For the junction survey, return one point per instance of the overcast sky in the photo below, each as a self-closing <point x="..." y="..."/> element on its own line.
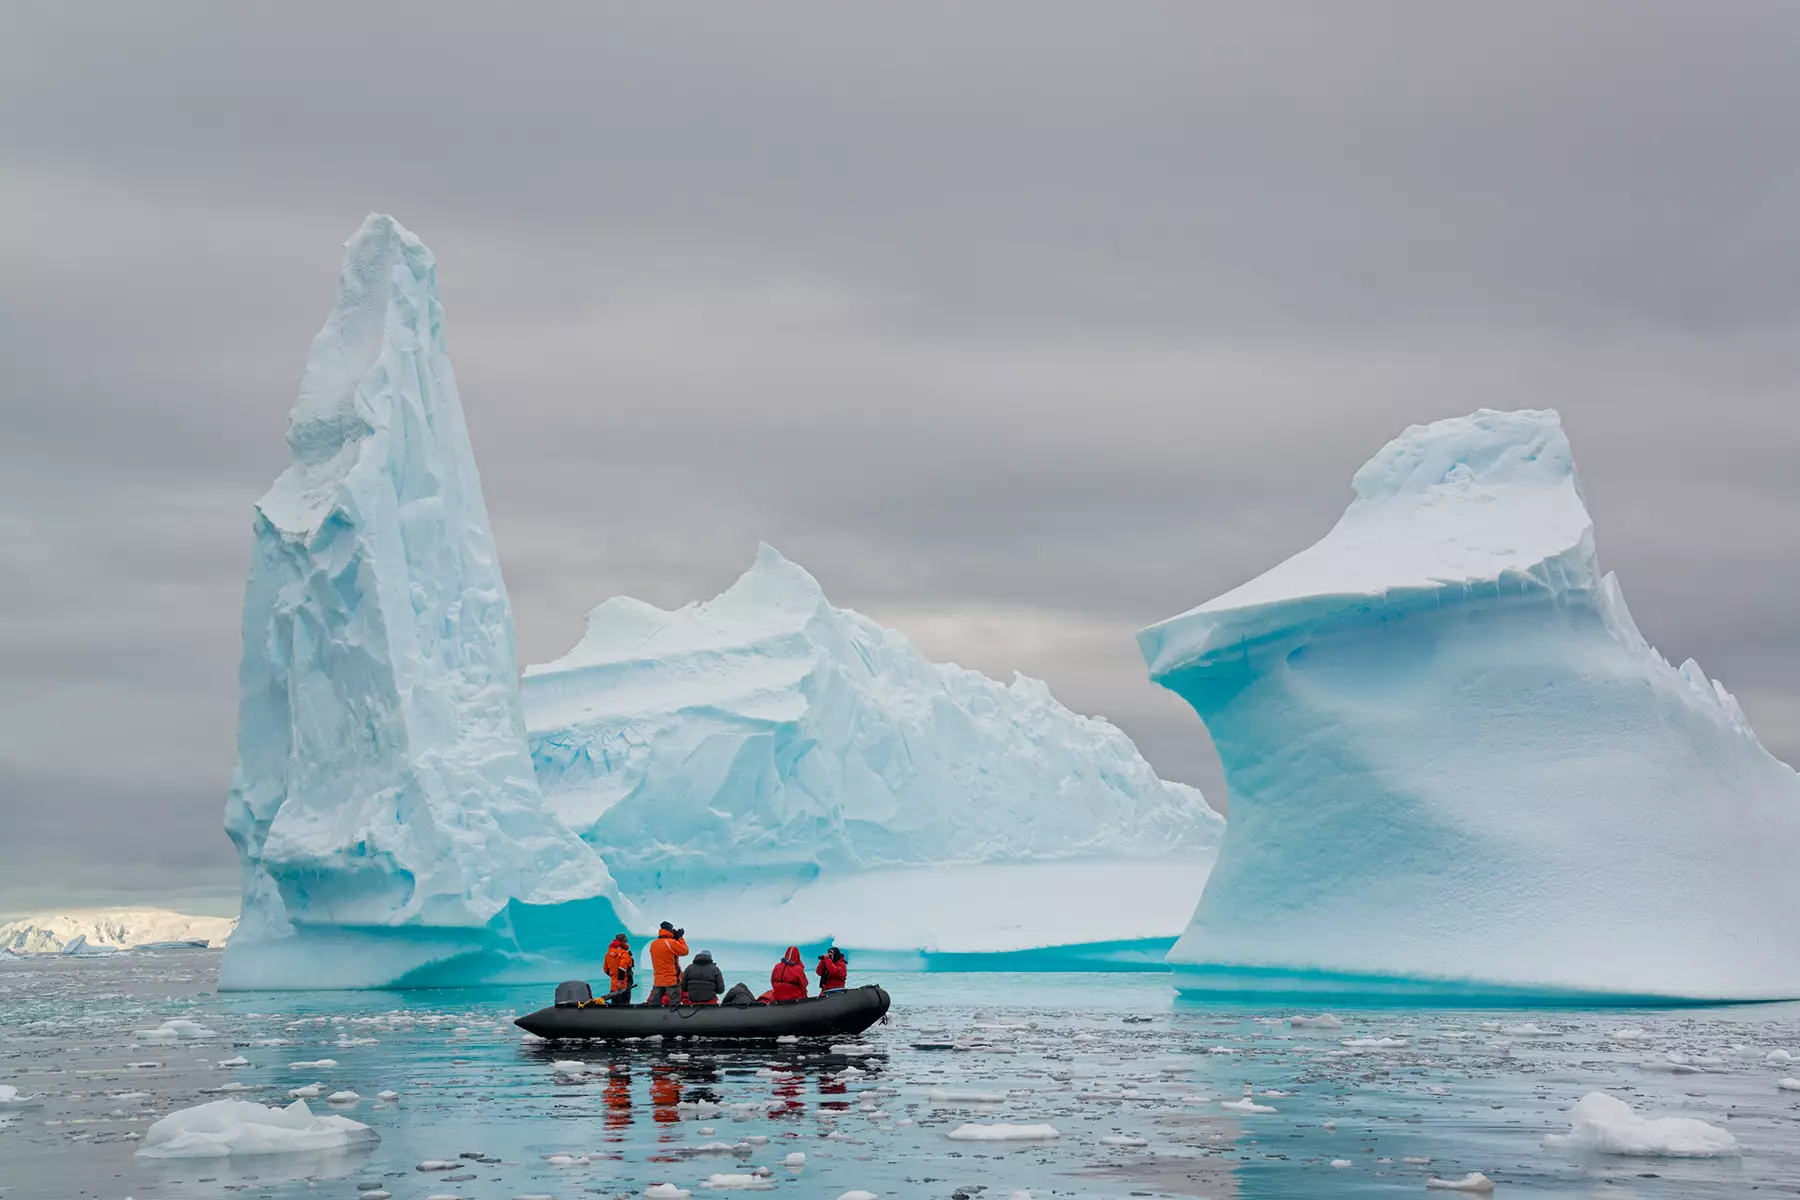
<point x="1020" y="326"/>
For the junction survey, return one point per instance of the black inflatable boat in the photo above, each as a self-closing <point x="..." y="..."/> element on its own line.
<point x="836" y="1014"/>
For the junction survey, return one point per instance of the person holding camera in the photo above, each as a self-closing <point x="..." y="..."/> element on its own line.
<point x="665" y="964"/>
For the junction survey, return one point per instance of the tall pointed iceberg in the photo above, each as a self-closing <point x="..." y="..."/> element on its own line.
<point x="384" y="806"/>
<point x="797" y="773"/>
<point x="1458" y="771"/>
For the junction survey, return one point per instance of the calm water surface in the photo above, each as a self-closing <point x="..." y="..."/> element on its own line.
<point x="1467" y="1090"/>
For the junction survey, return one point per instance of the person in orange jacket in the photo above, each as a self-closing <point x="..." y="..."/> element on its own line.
<point x="618" y="966"/>
<point x="834" y="970"/>
<point x="788" y="980"/>
<point x="665" y="964"/>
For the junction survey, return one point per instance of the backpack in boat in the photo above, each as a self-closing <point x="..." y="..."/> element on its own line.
<point x="739" y="994"/>
<point x="573" y="994"/>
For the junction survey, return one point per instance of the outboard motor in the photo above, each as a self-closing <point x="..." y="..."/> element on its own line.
<point x="573" y="994"/>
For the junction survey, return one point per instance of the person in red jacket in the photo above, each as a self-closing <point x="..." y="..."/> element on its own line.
<point x="788" y="980"/>
<point x="833" y="970"/>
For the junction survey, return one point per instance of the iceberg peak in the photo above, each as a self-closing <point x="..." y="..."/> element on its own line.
<point x="383" y="782"/>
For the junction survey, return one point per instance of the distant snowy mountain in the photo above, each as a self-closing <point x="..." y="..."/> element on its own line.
<point x="795" y="770"/>
<point x="120" y="928"/>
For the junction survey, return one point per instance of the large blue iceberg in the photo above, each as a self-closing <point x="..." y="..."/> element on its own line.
<point x="384" y="808"/>
<point x="774" y="770"/>
<point x="1457" y="769"/>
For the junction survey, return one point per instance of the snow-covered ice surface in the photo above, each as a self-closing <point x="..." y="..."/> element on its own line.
<point x="1055" y="1047"/>
<point x="48" y="933"/>
<point x="1457" y="769"/>
<point x="384" y="806"/>
<point x="800" y="772"/>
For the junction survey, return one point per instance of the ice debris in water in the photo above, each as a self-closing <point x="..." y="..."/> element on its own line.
<point x="666" y="1191"/>
<point x="226" y="1127"/>
<point x="178" y="1029"/>
<point x="1603" y="1124"/>
<point x="1322" y="1021"/>
<point x="1778" y="1056"/>
<point x="12" y="1098"/>
<point x="965" y="1096"/>
<point x="1474" y="1181"/>
<point x="383" y="782"/>
<point x="975" y="1131"/>
<point x="1376" y="689"/>
<point x="1122" y="1139"/>
<point x="310" y="1091"/>
<point x="239" y="1061"/>
<point x="859" y="1194"/>
<point x="1789" y="1084"/>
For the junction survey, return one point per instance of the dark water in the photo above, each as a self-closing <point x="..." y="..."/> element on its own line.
<point x="1465" y="1090"/>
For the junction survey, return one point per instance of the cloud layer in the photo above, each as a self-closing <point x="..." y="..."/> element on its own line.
<point x="1019" y="326"/>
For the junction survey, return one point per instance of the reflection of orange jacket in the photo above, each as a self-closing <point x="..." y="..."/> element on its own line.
<point x="618" y="963"/>
<point x="665" y="959"/>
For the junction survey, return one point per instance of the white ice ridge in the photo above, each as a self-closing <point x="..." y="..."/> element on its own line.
<point x="227" y="1127"/>
<point x="1456" y="766"/>
<point x="766" y="740"/>
<point x="384" y="806"/>
<point x="48" y="933"/>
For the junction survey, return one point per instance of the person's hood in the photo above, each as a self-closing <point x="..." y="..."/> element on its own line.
<point x="666" y="933"/>
<point x="792" y="955"/>
<point x="705" y="956"/>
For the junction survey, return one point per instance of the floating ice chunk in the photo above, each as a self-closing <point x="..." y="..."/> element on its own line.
<point x="788" y="1037"/>
<point x="387" y="1095"/>
<point x="1778" y="1056"/>
<point x="569" y="1066"/>
<point x="437" y="1164"/>
<point x="1246" y="1105"/>
<point x="796" y="1159"/>
<point x="1529" y="1029"/>
<point x="1322" y="1021"/>
<point x="975" y="1131"/>
<point x="1789" y="1084"/>
<point x="1338" y="1164"/>
<point x="309" y="1092"/>
<point x="343" y="1097"/>
<point x="11" y="1099"/>
<point x="225" y="1127"/>
<point x="666" y="1191"/>
<point x="177" y="1029"/>
<point x="966" y="1096"/>
<point x="1374" y="1043"/>
<point x="858" y="1048"/>
<point x="1122" y="1139"/>
<point x="859" y="1194"/>
<point x="1474" y="1181"/>
<point x="1629" y="1035"/>
<point x="226" y="1088"/>
<point x="1603" y="1124"/>
<point x="1416" y="1160"/>
<point x="317" y="1064"/>
<point x="746" y="1182"/>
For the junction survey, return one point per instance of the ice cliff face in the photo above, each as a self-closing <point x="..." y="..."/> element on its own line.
<point x="765" y="739"/>
<point x="384" y="806"/>
<point x="1457" y="768"/>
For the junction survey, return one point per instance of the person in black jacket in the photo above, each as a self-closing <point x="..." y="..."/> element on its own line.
<point x="702" y="982"/>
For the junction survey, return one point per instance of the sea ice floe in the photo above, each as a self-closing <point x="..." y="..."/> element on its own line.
<point x="1474" y="1181"/>
<point x="239" y="1061"/>
<point x="225" y="1127"/>
<point x="738" y="1182"/>
<point x="1789" y="1084"/>
<point x="177" y="1029"/>
<point x="1603" y="1124"/>
<point x="1246" y="1105"/>
<point x="975" y="1131"/>
<point x="318" y="1064"/>
<point x="966" y="1096"/>
<point x="1778" y="1056"/>
<point x="343" y="1097"/>
<point x="11" y="1099"/>
<point x="666" y="1191"/>
<point x="309" y="1092"/>
<point x="1322" y="1021"/>
<point x="1122" y="1139"/>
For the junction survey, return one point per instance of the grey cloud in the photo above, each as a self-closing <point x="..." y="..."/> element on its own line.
<point x="1079" y="313"/>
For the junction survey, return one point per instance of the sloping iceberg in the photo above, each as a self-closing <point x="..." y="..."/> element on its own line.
<point x="772" y="769"/>
<point x="383" y="806"/>
<point x="1458" y="770"/>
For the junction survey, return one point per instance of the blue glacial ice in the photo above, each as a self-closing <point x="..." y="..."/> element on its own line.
<point x="772" y="769"/>
<point x="1456" y="767"/>
<point x="384" y="808"/>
